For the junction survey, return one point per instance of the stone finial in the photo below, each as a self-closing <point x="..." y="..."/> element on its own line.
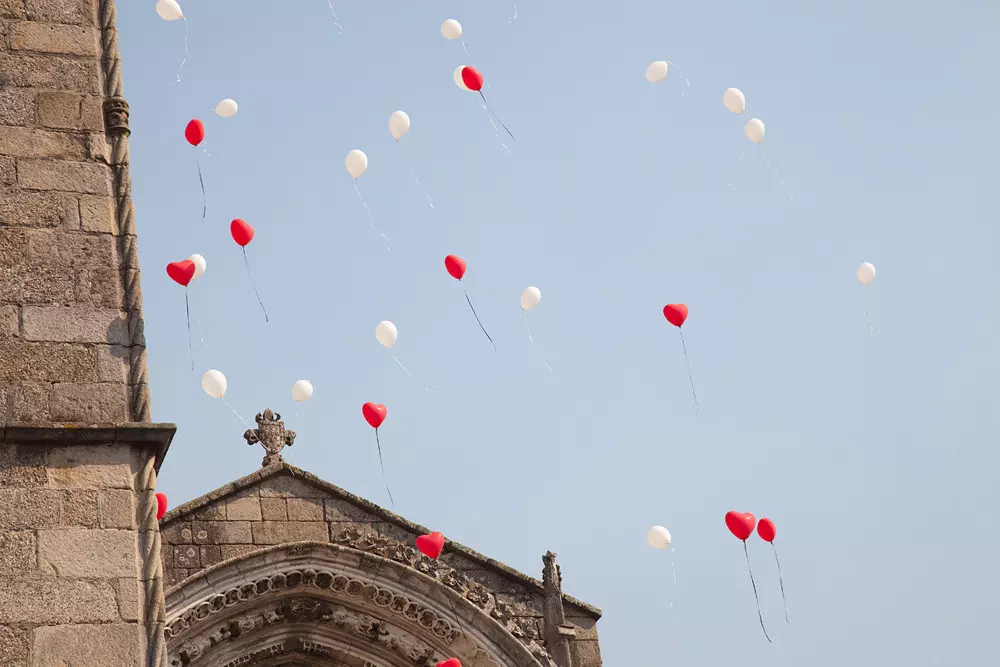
<point x="271" y="435"/>
<point x="557" y="631"/>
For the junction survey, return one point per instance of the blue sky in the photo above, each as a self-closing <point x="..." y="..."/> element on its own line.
<point x="875" y="455"/>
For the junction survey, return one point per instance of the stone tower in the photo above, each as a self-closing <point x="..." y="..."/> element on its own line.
<point x="80" y="573"/>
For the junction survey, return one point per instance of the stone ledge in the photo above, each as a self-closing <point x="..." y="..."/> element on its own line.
<point x="133" y="433"/>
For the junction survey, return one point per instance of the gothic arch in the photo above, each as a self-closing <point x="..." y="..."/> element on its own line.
<point x="321" y="605"/>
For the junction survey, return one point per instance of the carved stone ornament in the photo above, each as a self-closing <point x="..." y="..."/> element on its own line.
<point x="116" y="116"/>
<point x="271" y="435"/>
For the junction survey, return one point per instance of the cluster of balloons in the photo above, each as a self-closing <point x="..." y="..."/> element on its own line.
<point x="215" y="385"/>
<point x="741" y="525"/>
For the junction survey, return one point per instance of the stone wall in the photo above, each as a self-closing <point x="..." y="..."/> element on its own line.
<point x="268" y="508"/>
<point x="71" y="589"/>
<point x="63" y="330"/>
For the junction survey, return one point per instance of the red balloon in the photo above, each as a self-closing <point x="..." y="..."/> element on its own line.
<point x="161" y="505"/>
<point x="374" y="414"/>
<point x="455" y="266"/>
<point x="766" y="530"/>
<point x="450" y="662"/>
<point x="181" y="273"/>
<point x="241" y="231"/>
<point x="195" y="132"/>
<point x="740" y="524"/>
<point x="472" y="79"/>
<point x="675" y="313"/>
<point x="431" y="545"/>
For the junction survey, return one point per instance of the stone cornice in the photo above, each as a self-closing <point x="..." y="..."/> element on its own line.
<point x="32" y="433"/>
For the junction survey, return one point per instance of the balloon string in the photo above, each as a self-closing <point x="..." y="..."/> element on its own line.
<point x="752" y="582"/>
<point x="777" y="173"/>
<point x="187" y="312"/>
<point x="490" y="110"/>
<point x="187" y="28"/>
<point x="780" y="581"/>
<point x="478" y="320"/>
<point x="524" y="316"/>
<point x="429" y="202"/>
<point x="371" y="221"/>
<point x="252" y="286"/>
<point x="382" y="464"/>
<point x="496" y="130"/>
<point x="204" y="197"/>
<point x="673" y="571"/>
<point x="236" y="413"/>
<point x="681" y="73"/>
<point x="467" y="51"/>
<point x="407" y="371"/>
<point x="340" y="28"/>
<point x="871" y="327"/>
<point x="514" y="17"/>
<point x="697" y="408"/>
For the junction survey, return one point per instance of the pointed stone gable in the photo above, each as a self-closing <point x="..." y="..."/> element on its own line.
<point x="281" y="504"/>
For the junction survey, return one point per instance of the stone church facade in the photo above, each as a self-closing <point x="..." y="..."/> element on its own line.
<point x="279" y="568"/>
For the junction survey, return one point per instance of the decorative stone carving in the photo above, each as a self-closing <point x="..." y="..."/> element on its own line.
<point x="116" y="116"/>
<point x="271" y="435"/>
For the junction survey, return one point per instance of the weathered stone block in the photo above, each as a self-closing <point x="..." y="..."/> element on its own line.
<point x="246" y="508"/>
<point x="80" y="508"/>
<point x="61" y="324"/>
<point x="58" y="109"/>
<point x="173" y="576"/>
<point x="177" y="533"/>
<point x="273" y="509"/>
<point x="76" y="552"/>
<point x="106" y="402"/>
<point x="111" y="645"/>
<point x="13" y="641"/>
<point x="112" y="363"/>
<point x="28" y="509"/>
<point x="91" y="467"/>
<point x="117" y="509"/>
<point x="186" y="556"/>
<point x="38" y="209"/>
<point x="21" y="466"/>
<point x="130" y="595"/>
<point x="9" y="325"/>
<point x="279" y="532"/>
<point x="8" y="170"/>
<point x="17" y="553"/>
<point x="212" y="512"/>
<point x="289" y="487"/>
<point x="222" y="532"/>
<point x="44" y="600"/>
<point x="25" y="142"/>
<point x="86" y="177"/>
<point x="53" y="72"/>
<point x="305" y="509"/>
<point x="92" y="113"/>
<point x="97" y="214"/>
<point x="342" y="511"/>
<point x="17" y="107"/>
<point x="68" y="40"/>
<point x="46" y="362"/>
<point x="31" y="402"/>
<point x="210" y="555"/>
<point x="237" y="550"/>
<point x="585" y="653"/>
<point x="74" y="12"/>
<point x="586" y="627"/>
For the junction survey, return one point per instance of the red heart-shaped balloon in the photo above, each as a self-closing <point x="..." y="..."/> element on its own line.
<point x="472" y="79"/>
<point x="181" y="272"/>
<point x="455" y="266"/>
<point x="450" y="662"/>
<point x="241" y="231"/>
<point x="431" y="545"/>
<point x="766" y="530"/>
<point x="374" y="413"/>
<point x="740" y="524"/>
<point x="675" y="313"/>
<point x="161" y="505"/>
<point x="195" y="132"/>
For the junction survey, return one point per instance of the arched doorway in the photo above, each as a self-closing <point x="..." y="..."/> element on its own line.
<point x="321" y="605"/>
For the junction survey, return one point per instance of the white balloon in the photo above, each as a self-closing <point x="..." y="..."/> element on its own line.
<point x="657" y="72"/>
<point x="734" y="100"/>
<point x="356" y="163"/>
<point x="302" y="391"/>
<point x="458" y="77"/>
<point x="451" y="29"/>
<point x="199" y="265"/>
<point x="169" y="10"/>
<point x="399" y="124"/>
<point x="658" y="537"/>
<point x="866" y="273"/>
<point x="227" y="108"/>
<point x="755" y="130"/>
<point x="530" y="298"/>
<point x="214" y="383"/>
<point x="386" y="333"/>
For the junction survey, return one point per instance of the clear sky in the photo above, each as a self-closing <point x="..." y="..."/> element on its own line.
<point x="876" y="455"/>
